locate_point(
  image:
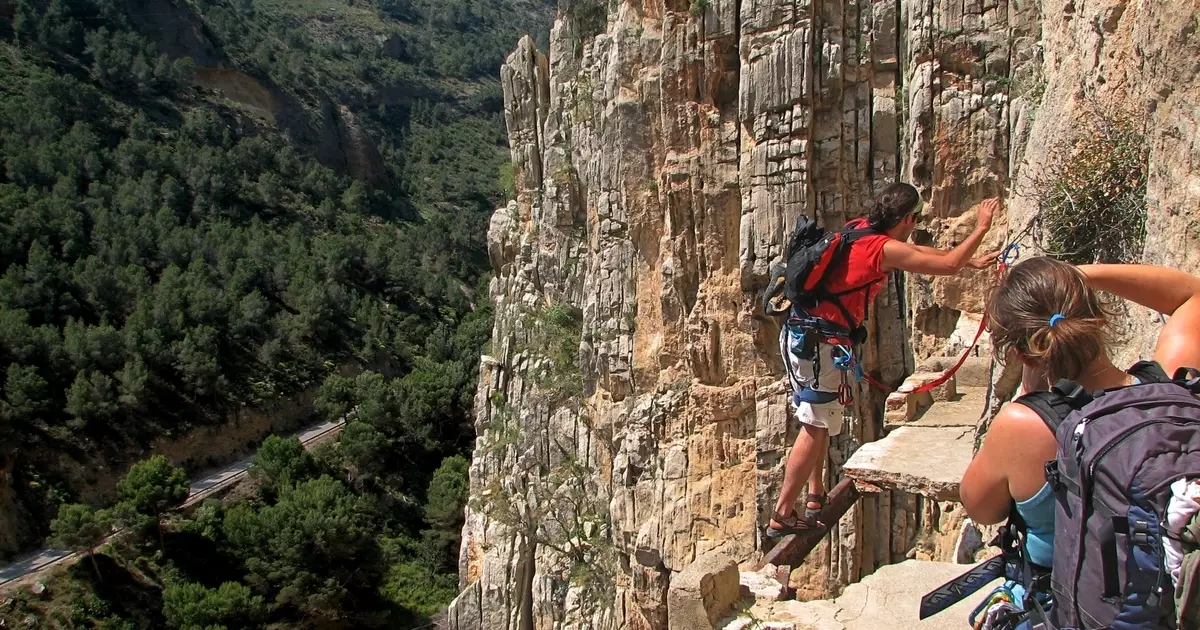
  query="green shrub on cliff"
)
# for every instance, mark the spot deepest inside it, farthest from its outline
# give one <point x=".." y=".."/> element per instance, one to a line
<point x="1091" y="196"/>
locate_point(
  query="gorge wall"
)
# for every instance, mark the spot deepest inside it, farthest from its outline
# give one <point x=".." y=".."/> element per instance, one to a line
<point x="632" y="411"/>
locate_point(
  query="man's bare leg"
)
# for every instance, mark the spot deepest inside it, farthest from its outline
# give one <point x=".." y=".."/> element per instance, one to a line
<point x="816" y="480"/>
<point x="810" y="445"/>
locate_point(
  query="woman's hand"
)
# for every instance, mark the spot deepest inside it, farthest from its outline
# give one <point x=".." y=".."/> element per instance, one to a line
<point x="987" y="209"/>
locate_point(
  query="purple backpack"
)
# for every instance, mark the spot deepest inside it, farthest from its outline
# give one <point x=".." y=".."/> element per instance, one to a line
<point x="1119" y="450"/>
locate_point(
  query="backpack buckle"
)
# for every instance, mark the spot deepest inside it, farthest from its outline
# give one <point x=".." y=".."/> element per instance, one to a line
<point x="1053" y="475"/>
<point x="1141" y="533"/>
<point x="1074" y="393"/>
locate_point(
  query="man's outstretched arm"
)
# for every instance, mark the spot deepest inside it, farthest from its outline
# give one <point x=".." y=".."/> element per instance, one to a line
<point x="978" y="262"/>
<point x="911" y="258"/>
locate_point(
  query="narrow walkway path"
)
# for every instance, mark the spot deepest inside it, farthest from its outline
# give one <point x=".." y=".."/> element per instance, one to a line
<point x="208" y="485"/>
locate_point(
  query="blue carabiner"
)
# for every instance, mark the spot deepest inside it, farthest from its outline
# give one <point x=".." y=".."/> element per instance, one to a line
<point x="1014" y="250"/>
<point x="846" y="360"/>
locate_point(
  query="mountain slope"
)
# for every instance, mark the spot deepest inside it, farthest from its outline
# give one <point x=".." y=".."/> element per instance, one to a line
<point x="209" y="207"/>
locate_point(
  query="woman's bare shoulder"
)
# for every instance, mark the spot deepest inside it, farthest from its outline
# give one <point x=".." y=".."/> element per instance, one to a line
<point x="1019" y="422"/>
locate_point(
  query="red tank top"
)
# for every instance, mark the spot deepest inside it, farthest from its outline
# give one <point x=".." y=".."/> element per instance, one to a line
<point x="864" y="265"/>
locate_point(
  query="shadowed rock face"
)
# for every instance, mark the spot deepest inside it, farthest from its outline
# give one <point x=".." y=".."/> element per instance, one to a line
<point x="335" y="135"/>
<point x="659" y="166"/>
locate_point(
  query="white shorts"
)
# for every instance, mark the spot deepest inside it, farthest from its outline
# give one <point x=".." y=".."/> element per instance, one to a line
<point x="821" y="375"/>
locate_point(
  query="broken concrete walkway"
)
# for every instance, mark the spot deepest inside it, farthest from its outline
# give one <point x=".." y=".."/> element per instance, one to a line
<point x="928" y="451"/>
<point x="888" y="598"/>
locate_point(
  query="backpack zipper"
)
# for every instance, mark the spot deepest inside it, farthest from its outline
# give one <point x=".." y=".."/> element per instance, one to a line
<point x="1121" y="437"/>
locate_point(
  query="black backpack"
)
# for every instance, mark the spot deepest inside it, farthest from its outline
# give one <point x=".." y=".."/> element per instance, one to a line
<point x="811" y="253"/>
<point x="1118" y="452"/>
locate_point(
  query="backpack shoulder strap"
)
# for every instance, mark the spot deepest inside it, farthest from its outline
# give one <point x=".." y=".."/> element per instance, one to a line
<point x="1050" y="406"/>
<point x="1188" y="378"/>
<point x="1149" y="372"/>
<point x="1152" y="372"/>
<point x="851" y="235"/>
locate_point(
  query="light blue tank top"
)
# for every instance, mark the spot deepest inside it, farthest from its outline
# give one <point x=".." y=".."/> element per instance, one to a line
<point x="1038" y="512"/>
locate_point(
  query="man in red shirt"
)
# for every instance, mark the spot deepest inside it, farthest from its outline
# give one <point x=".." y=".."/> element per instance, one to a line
<point x="812" y="341"/>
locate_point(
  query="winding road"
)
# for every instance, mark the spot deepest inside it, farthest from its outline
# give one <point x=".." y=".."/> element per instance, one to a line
<point x="201" y="489"/>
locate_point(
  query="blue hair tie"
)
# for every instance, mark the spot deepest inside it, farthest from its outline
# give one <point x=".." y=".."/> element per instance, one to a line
<point x="1055" y="318"/>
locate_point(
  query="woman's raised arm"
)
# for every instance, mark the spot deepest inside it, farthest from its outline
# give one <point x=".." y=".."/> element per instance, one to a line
<point x="1168" y="291"/>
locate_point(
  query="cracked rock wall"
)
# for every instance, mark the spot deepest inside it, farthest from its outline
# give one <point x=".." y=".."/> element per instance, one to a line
<point x="632" y="411"/>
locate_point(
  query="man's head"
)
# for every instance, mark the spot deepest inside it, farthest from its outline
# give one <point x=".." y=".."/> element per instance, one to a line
<point x="895" y="211"/>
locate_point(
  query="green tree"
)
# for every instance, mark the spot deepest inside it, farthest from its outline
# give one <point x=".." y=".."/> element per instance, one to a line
<point x="444" y="505"/>
<point x="362" y="449"/>
<point x="91" y="398"/>
<point x="413" y="586"/>
<point x="336" y="397"/>
<point x="191" y="606"/>
<point x="134" y="377"/>
<point x="315" y="550"/>
<point x="428" y="394"/>
<point x="148" y="490"/>
<point x="279" y="463"/>
<point x="80" y="528"/>
<point x="25" y="394"/>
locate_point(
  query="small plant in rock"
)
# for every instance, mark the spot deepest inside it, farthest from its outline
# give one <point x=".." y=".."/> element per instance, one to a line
<point x="1004" y="81"/>
<point x="699" y="7"/>
<point x="1091" y="196"/>
<point x="562" y="176"/>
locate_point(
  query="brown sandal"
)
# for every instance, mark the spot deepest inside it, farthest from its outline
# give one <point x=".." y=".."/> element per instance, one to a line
<point x="820" y="500"/>
<point x="794" y="524"/>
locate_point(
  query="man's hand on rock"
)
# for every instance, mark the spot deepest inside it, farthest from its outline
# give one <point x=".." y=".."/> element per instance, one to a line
<point x="984" y="261"/>
<point x="989" y="207"/>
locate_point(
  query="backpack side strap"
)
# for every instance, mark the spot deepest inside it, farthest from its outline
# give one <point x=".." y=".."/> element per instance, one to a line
<point x="1188" y="378"/>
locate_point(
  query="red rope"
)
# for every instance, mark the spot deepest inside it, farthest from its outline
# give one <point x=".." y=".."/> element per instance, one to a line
<point x="1000" y="269"/>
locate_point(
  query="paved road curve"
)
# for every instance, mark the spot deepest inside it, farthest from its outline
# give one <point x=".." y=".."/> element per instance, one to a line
<point x="200" y="489"/>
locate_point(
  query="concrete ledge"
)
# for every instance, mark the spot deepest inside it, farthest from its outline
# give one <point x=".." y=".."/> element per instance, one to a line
<point x="703" y="592"/>
<point x="888" y="598"/>
<point x="945" y="391"/>
<point x="903" y="407"/>
<point x="929" y="461"/>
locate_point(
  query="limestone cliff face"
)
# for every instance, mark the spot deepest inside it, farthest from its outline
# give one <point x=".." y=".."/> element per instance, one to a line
<point x="632" y="411"/>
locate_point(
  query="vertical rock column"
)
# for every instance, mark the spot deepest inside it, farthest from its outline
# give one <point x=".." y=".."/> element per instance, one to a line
<point x="958" y="130"/>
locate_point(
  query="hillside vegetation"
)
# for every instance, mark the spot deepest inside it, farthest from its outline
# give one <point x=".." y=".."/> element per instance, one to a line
<point x="217" y="204"/>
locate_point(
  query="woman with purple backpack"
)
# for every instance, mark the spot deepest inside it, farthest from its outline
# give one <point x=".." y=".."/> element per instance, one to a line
<point x="1049" y="316"/>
